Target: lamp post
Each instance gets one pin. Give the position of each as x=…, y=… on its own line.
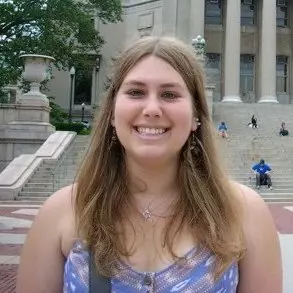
x=72, y=75
x=82, y=111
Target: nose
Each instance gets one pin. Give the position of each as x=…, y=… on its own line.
x=152, y=107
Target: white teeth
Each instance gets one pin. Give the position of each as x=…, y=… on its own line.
x=144, y=130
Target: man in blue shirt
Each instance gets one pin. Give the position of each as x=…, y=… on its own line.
x=262, y=173
x=223, y=130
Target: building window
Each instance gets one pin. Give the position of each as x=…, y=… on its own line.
x=83, y=85
x=282, y=13
x=213, y=12
x=246, y=74
x=213, y=73
x=248, y=12
x=282, y=74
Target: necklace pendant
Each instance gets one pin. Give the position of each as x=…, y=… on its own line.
x=147, y=214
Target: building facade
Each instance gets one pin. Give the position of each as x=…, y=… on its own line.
x=249, y=46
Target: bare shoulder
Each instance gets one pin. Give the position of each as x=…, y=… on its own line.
x=46, y=244
x=251, y=201
x=60, y=200
x=261, y=267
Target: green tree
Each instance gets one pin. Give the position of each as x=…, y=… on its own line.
x=62, y=29
x=57, y=114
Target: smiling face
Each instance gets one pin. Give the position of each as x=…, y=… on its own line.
x=153, y=113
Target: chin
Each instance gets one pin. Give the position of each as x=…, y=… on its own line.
x=148, y=157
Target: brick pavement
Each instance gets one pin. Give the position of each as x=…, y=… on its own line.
x=12, y=221
x=8, y=278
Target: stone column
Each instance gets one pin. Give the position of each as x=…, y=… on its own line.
x=169, y=18
x=232, y=51
x=197, y=15
x=268, y=52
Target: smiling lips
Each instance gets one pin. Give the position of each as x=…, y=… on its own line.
x=150, y=131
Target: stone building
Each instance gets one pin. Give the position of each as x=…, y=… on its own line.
x=248, y=53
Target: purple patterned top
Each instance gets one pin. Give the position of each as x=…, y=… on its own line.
x=194, y=276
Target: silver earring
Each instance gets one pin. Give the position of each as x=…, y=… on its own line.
x=193, y=143
x=198, y=122
x=114, y=136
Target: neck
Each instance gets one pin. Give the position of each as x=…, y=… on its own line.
x=152, y=181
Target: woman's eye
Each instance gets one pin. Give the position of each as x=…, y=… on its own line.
x=169, y=95
x=135, y=93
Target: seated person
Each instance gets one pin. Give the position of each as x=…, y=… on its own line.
x=262, y=173
x=223, y=130
x=253, y=121
x=283, y=130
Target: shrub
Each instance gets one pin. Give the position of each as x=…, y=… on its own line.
x=85, y=132
x=75, y=126
x=57, y=114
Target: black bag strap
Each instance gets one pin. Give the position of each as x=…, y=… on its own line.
x=97, y=283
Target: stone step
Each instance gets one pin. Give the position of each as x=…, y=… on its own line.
x=44, y=168
x=50, y=161
x=279, y=176
x=276, y=183
x=34, y=199
x=38, y=185
x=37, y=189
x=278, y=200
x=275, y=190
x=24, y=201
x=273, y=194
x=274, y=178
x=34, y=180
x=35, y=194
x=61, y=175
x=43, y=176
x=246, y=170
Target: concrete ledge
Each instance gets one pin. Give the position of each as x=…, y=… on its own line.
x=18, y=172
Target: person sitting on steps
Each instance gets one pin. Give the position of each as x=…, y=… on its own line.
x=262, y=173
x=283, y=130
x=223, y=130
x=253, y=122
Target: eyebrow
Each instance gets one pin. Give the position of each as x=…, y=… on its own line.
x=163, y=85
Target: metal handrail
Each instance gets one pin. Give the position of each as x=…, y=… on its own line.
x=60, y=162
x=57, y=171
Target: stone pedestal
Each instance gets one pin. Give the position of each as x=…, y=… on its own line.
x=31, y=99
x=25, y=125
x=23, y=129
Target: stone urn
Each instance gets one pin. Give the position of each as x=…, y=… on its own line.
x=36, y=70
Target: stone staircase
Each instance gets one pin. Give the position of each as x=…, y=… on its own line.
x=52, y=175
x=247, y=146
x=244, y=147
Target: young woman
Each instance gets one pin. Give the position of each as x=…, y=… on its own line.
x=151, y=203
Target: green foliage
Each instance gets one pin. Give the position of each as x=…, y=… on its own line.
x=58, y=118
x=64, y=126
x=62, y=29
x=85, y=132
x=4, y=99
x=57, y=115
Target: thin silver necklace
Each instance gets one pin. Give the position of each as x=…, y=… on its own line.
x=148, y=214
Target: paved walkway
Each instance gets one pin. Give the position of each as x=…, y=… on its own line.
x=16, y=218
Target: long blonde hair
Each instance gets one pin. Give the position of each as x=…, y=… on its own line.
x=207, y=204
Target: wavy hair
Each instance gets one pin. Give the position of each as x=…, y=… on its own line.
x=208, y=203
